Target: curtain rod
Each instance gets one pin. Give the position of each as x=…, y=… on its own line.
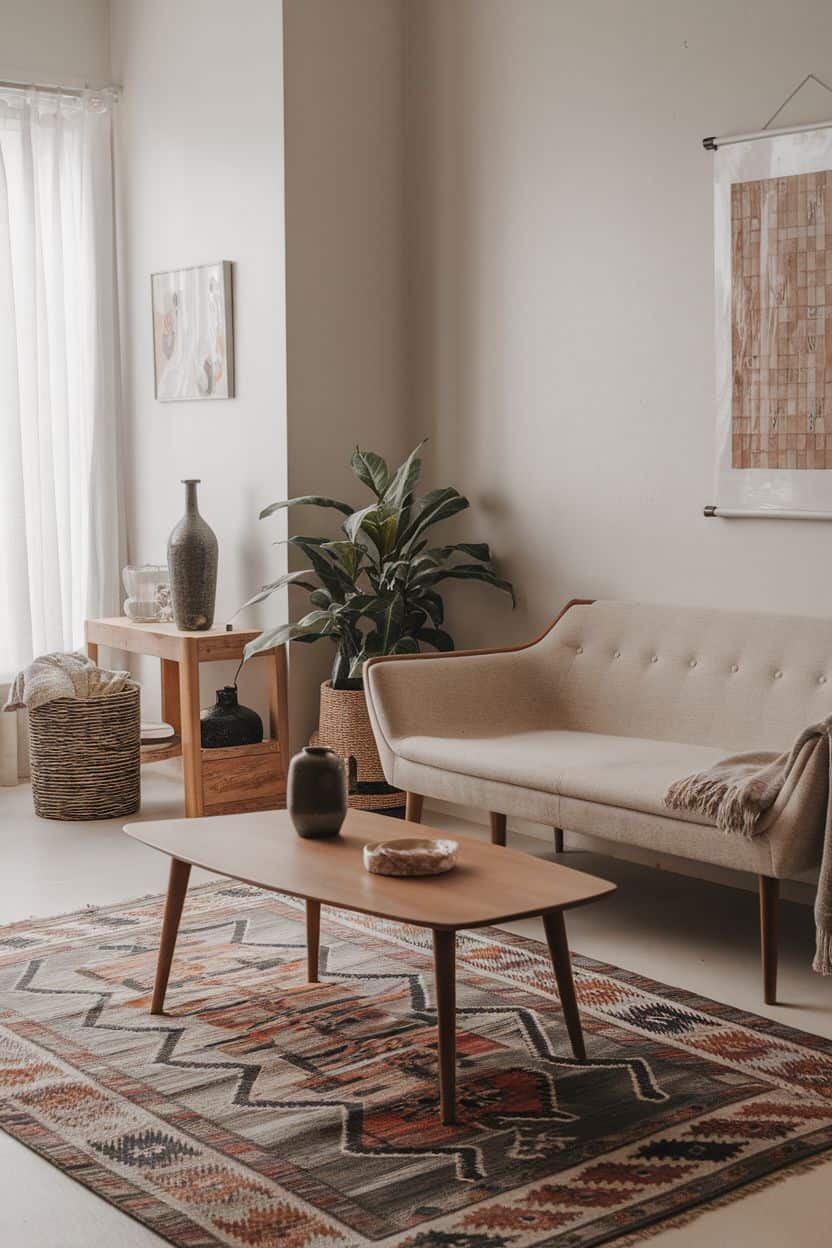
x=109, y=88
x=711, y=144
x=771, y=513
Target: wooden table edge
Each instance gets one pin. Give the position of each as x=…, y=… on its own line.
x=530, y=913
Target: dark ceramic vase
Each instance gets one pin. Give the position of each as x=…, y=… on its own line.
x=192, y=560
x=227, y=723
x=317, y=792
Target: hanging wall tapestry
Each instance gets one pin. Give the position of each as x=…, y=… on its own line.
x=193, y=341
x=773, y=255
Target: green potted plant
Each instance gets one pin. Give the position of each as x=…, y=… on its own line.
x=375, y=589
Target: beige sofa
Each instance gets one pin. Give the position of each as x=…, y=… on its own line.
x=586, y=727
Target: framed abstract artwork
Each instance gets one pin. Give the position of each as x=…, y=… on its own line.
x=193, y=333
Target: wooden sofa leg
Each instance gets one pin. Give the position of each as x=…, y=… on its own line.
x=413, y=804
x=769, y=896
x=558, y=840
x=498, y=828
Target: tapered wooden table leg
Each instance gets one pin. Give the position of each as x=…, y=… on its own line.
x=498, y=828
x=562, y=963
x=413, y=807
x=313, y=939
x=191, y=729
x=177, y=888
x=444, y=965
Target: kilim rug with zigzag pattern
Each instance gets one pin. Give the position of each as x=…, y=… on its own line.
x=264, y=1112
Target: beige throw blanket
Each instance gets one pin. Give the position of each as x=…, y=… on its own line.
x=736, y=792
x=63, y=676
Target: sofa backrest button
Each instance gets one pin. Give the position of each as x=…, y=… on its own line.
x=821, y=680
x=692, y=663
x=777, y=675
x=616, y=654
x=654, y=658
x=734, y=667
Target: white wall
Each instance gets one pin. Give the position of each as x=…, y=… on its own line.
x=560, y=291
x=200, y=176
x=345, y=239
x=55, y=42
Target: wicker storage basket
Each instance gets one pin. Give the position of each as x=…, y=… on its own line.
x=85, y=757
x=344, y=725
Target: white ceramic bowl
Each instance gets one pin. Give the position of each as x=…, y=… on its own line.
x=410, y=856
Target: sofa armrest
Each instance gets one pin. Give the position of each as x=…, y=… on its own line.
x=456, y=693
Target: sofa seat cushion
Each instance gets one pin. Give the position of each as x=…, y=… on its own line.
x=631, y=772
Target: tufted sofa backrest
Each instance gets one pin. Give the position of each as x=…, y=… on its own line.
x=745, y=680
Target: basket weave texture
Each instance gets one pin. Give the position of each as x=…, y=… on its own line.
x=344, y=725
x=85, y=757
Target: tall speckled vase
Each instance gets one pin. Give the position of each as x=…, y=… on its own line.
x=192, y=560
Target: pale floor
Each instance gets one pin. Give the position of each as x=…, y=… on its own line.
x=678, y=930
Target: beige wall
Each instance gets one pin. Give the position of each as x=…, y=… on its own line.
x=345, y=231
x=54, y=41
x=200, y=178
x=560, y=290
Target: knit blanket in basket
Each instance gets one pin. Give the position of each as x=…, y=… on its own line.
x=54, y=676
x=737, y=791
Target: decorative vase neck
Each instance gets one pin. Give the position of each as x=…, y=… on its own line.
x=191, y=501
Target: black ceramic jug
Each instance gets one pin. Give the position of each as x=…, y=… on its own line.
x=227, y=723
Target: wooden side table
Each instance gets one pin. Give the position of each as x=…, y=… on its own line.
x=222, y=781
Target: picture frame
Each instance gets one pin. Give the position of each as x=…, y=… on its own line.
x=193, y=333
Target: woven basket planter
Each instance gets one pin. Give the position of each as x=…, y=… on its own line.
x=85, y=757
x=344, y=725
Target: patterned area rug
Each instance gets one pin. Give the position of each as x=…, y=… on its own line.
x=264, y=1111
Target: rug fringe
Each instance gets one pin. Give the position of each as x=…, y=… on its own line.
x=678, y=1220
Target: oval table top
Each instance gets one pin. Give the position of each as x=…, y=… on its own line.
x=490, y=884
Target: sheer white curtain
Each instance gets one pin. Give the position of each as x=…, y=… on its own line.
x=62, y=540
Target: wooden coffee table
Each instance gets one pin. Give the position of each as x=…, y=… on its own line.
x=489, y=885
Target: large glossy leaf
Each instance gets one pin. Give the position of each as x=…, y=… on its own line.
x=278, y=636
x=422, y=570
x=432, y=507
x=362, y=519
x=387, y=534
x=347, y=555
x=433, y=604
x=288, y=578
x=436, y=637
x=414, y=619
x=356, y=605
x=307, y=500
x=404, y=479
x=333, y=576
x=388, y=622
x=476, y=572
x=371, y=470
x=406, y=645
x=476, y=550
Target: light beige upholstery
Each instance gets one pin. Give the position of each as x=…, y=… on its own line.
x=586, y=728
